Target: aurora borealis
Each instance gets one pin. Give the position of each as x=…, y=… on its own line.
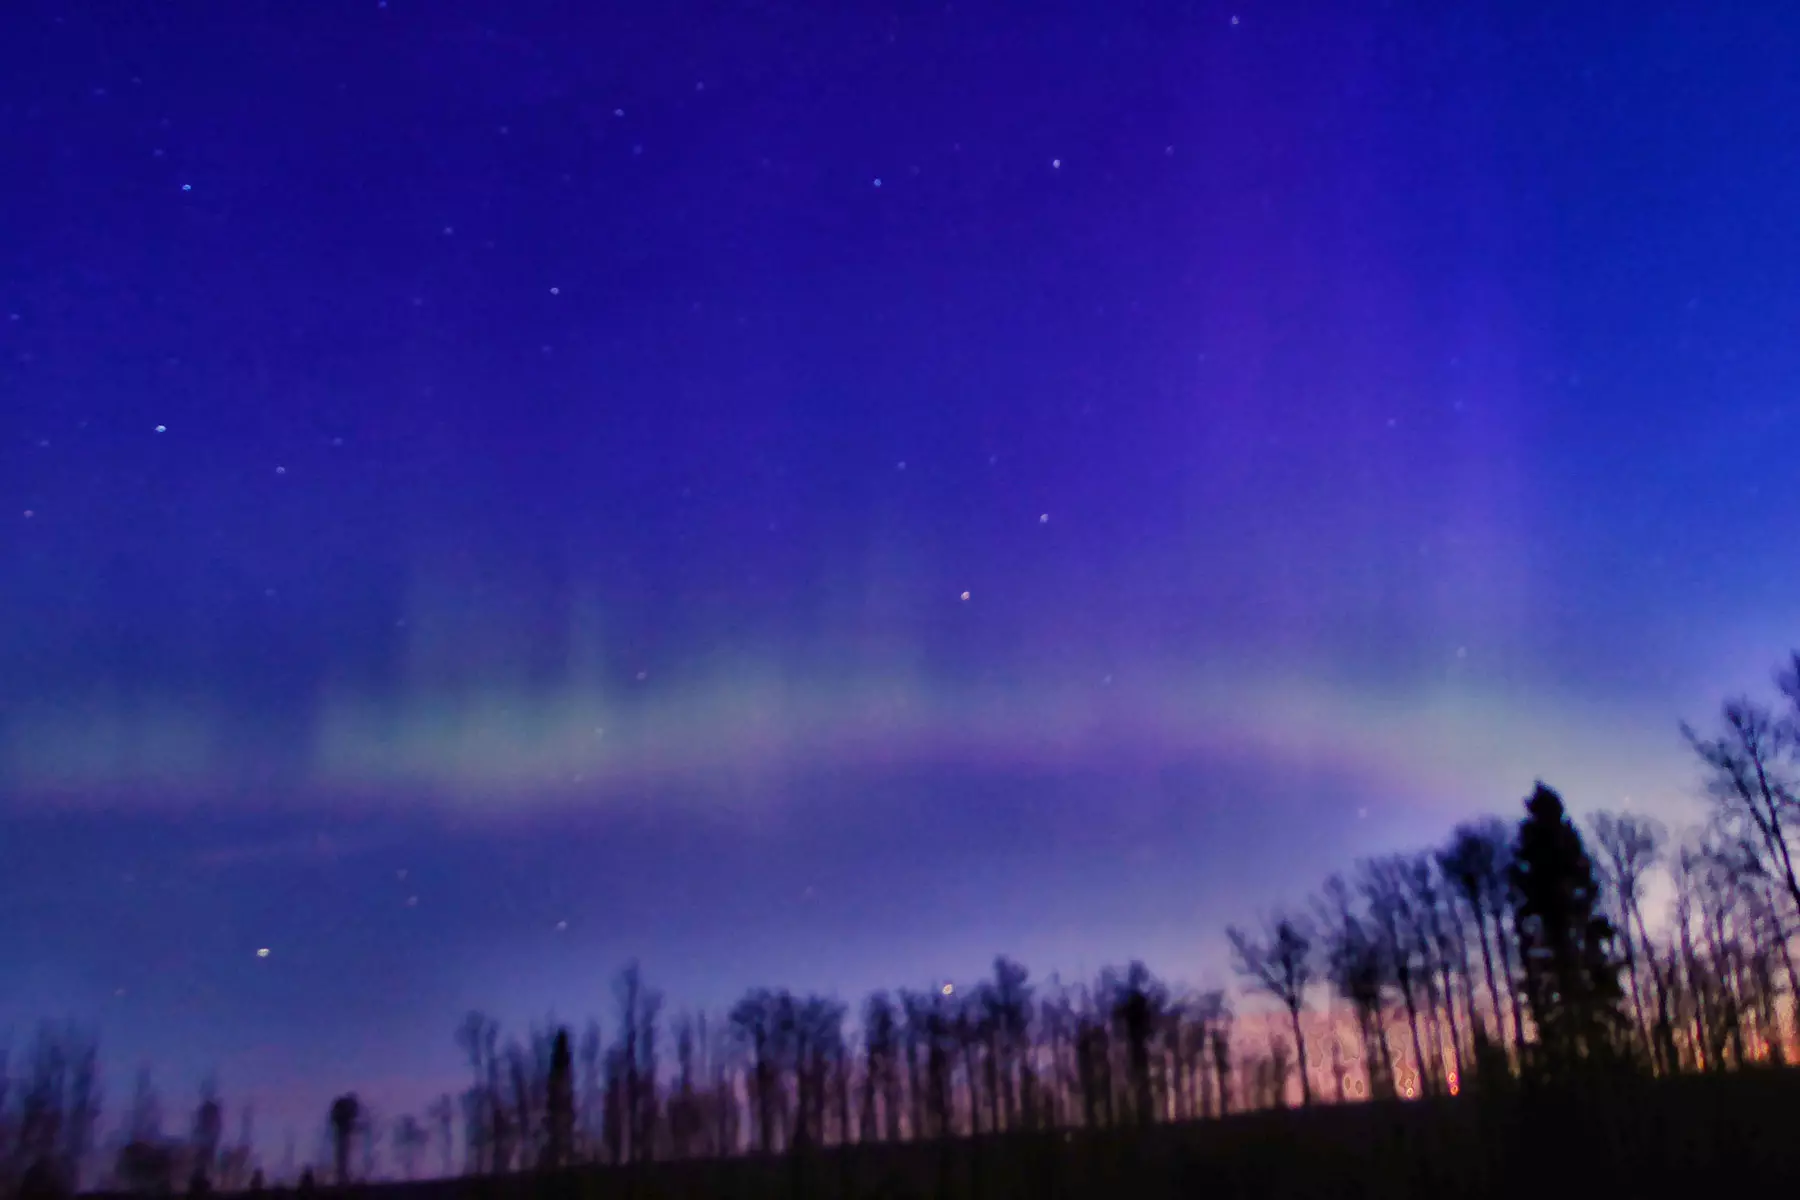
x=489, y=493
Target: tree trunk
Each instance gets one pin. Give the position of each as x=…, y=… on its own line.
x=1300, y=1052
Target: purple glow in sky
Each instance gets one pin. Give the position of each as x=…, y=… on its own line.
x=489, y=493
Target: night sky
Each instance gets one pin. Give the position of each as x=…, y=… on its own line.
x=818, y=494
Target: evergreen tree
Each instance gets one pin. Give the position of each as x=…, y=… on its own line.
x=346, y=1112
x=559, y=1104
x=1571, y=977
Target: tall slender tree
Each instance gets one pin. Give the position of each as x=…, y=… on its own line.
x=1279, y=964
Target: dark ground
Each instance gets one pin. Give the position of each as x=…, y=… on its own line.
x=1705, y=1136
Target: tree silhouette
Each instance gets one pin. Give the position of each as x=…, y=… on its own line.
x=1383, y=884
x=1439, y=952
x=1007, y=1004
x=754, y=1021
x=882, y=1083
x=410, y=1138
x=1139, y=1006
x=346, y=1112
x=208, y=1131
x=1476, y=864
x=1279, y=964
x=1751, y=778
x=1359, y=972
x=476, y=1036
x=1630, y=846
x=442, y=1114
x=1571, y=981
x=636, y=1057
x=559, y=1105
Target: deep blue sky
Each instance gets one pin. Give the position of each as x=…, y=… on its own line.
x=469, y=470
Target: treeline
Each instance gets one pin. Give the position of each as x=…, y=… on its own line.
x=1515, y=955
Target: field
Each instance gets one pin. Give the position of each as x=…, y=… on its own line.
x=1709, y=1135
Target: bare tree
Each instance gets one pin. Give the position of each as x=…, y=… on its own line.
x=1475, y=864
x=639, y=1009
x=476, y=1036
x=1139, y=1007
x=1755, y=796
x=410, y=1138
x=882, y=1084
x=1279, y=964
x=1383, y=885
x=1359, y=972
x=208, y=1132
x=369, y=1130
x=1630, y=846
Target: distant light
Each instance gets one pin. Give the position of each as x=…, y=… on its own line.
x=878, y=181
x=561, y=926
x=263, y=953
x=964, y=596
x=281, y=470
x=1056, y=164
x=556, y=291
x=949, y=988
x=187, y=187
x=1043, y=518
x=162, y=429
